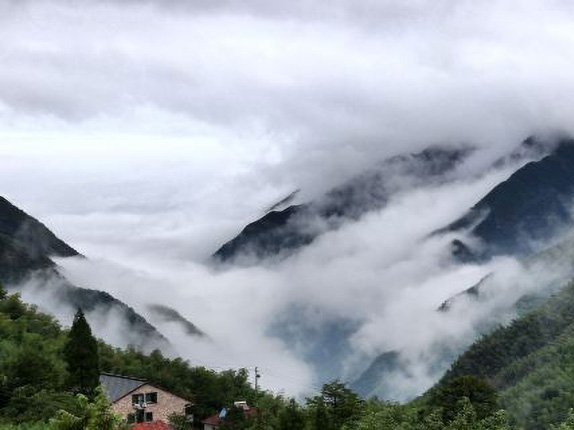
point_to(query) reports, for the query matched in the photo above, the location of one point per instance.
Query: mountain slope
(518, 217)
(282, 232)
(530, 361)
(30, 233)
(26, 248)
(169, 315)
(522, 213)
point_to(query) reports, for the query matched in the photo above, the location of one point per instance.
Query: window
(149, 416)
(131, 418)
(140, 416)
(151, 398)
(137, 399)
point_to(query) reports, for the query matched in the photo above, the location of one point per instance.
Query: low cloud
(148, 133)
(383, 273)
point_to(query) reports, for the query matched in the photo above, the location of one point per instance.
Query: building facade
(138, 401)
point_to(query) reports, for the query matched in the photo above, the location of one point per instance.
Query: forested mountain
(522, 213)
(530, 362)
(522, 217)
(281, 232)
(26, 251)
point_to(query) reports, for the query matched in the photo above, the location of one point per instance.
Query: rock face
(26, 249)
(522, 213)
(280, 233)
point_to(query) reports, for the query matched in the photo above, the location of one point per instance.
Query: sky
(147, 133)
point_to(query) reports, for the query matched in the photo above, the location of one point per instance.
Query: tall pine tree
(81, 355)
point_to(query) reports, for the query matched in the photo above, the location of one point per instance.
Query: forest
(49, 380)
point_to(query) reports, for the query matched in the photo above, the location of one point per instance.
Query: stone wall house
(138, 401)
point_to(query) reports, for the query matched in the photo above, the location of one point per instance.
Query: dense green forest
(520, 376)
(530, 363)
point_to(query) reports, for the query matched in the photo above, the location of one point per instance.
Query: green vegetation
(81, 357)
(42, 369)
(530, 363)
(518, 377)
(96, 415)
(481, 395)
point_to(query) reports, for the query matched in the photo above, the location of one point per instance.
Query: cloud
(148, 133)
(379, 273)
(313, 84)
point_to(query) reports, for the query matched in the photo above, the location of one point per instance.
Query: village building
(215, 422)
(141, 403)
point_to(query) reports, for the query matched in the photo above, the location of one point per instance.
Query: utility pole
(257, 376)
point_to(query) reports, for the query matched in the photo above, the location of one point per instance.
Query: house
(141, 403)
(214, 422)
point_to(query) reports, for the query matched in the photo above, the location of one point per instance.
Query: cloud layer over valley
(146, 134)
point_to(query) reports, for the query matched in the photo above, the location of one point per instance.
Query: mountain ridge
(281, 232)
(26, 248)
(522, 212)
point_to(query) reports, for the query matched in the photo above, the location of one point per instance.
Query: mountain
(524, 217)
(373, 381)
(26, 250)
(26, 244)
(166, 314)
(30, 233)
(544, 273)
(281, 232)
(521, 214)
(530, 362)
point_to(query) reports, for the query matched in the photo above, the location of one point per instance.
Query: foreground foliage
(38, 377)
(530, 363)
(529, 385)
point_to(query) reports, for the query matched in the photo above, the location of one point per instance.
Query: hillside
(530, 361)
(281, 232)
(519, 217)
(26, 250)
(33, 372)
(521, 214)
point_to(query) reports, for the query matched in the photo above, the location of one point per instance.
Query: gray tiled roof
(116, 386)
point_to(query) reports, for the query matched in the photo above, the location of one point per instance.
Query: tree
(568, 424)
(481, 395)
(32, 366)
(235, 419)
(321, 419)
(81, 356)
(379, 415)
(96, 415)
(465, 419)
(30, 405)
(292, 417)
(336, 406)
(12, 306)
(179, 422)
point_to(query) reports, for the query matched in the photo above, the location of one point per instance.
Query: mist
(146, 134)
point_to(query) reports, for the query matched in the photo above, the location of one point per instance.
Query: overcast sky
(147, 133)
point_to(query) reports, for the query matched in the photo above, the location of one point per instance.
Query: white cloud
(147, 133)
